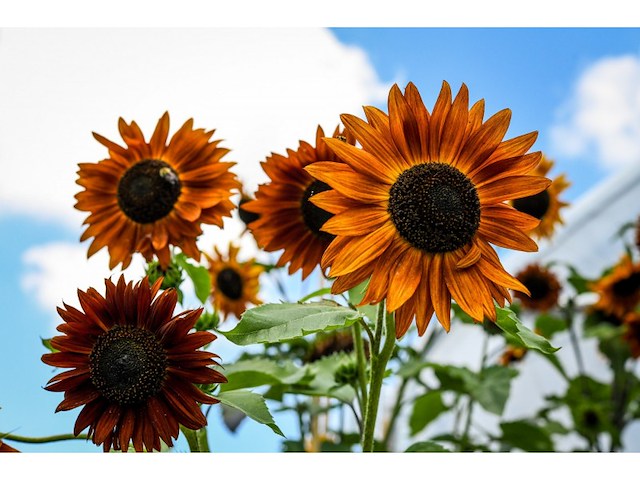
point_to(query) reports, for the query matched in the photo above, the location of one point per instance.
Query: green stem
(483, 362)
(361, 363)
(51, 438)
(379, 361)
(197, 439)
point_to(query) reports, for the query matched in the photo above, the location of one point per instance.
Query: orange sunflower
(287, 219)
(246, 216)
(149, 195)
(133, 366)
(234, 284)
(544, 205)
(511, 355)
(619, 290)
(416, 207)
(544, 288)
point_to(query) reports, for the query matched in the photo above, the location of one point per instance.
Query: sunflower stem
(51, 438)
(197, 439)
(361, 363)
(379, 361)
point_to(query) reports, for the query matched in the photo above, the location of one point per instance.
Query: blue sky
(262, 90)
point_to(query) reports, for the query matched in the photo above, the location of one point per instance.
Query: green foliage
(490, 387)
(548, 325)
(199, 275)
(426, 408)
(355, 296)
(526, 435)
(278, 322)
(251, 404)
(577, 281)
(320, 380)
(426, 447)
(518, 334)
(47, 344)
(256, 372)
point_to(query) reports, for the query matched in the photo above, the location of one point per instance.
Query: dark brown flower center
(246, 216)
(148, 191)
(535, 205)
(538, 286)
(627, 286)
(127, 365)
(229, 282)
(435, 207)
(314, 217)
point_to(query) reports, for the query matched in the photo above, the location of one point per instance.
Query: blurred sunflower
(631, 333)
(416, 207)
(511, 355)
(545, 205)
(246, 216)
(544, 288)
(288, 220)
(4, 448)
(620, 289)
(133, 366)
(149, 195)
(234, 284)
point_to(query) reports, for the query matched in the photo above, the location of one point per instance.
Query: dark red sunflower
(631, 333)
(133, 365)
(150, 195)
(287, 219)
(418, 205)
(4, 448)
(544, 288)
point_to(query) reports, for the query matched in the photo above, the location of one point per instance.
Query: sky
(262, 90)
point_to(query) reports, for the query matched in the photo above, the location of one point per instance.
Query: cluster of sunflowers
(400, 210)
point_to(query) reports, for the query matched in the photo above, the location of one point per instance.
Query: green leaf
(518, 334)
(527, 436)
(278, 322)
(252, 405)
(426, 447)
(492, 390)
(426, 409)
(322, 380)
(577, 281)
(47, 343)
(256, 372)
(199, 276)
(457, 379)
(548, 325)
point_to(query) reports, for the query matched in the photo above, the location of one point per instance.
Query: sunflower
(234, 284)
(543, 287)
(134, 366)
(416, 207)
(511, 355)
(149, 195)
(631, 333)
(4, 448)
(546, 204)
(620, 289)
(288, 220)
(246, 216)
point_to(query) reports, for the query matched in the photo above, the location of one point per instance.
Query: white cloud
(261, 89)
(603, 115)
(55, 272)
